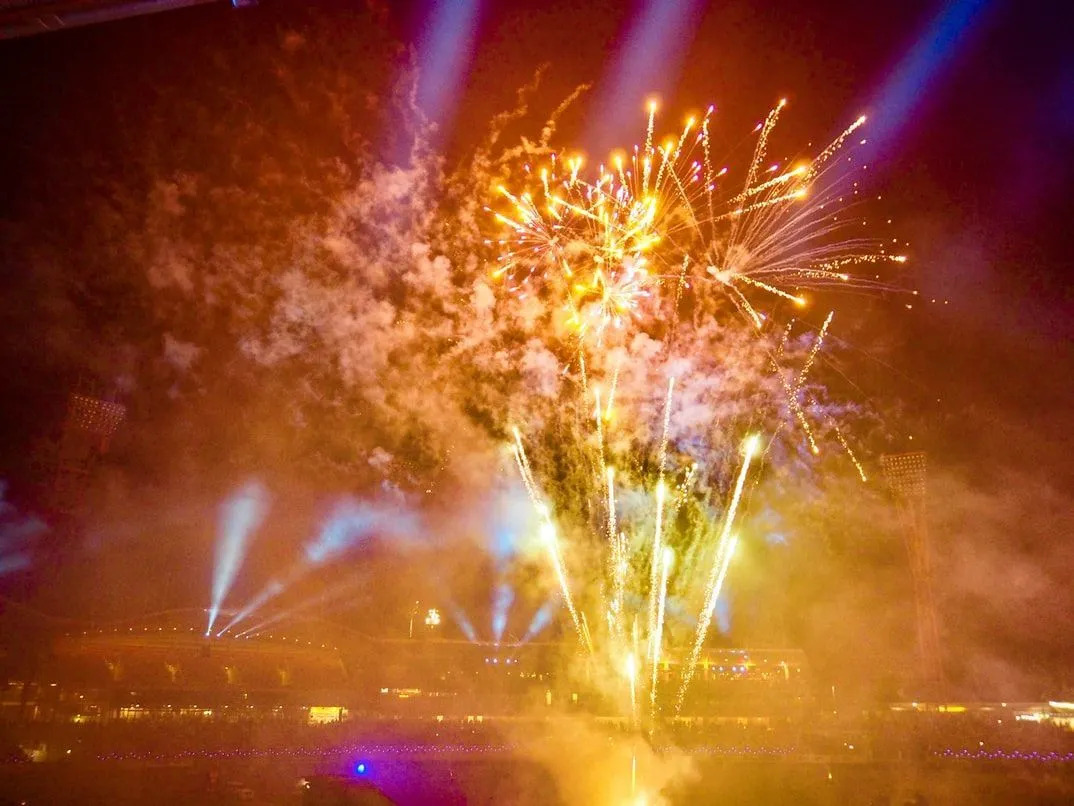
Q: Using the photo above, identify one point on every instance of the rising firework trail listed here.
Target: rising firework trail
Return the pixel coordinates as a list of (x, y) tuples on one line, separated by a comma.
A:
[(667, 560), (725, 549)]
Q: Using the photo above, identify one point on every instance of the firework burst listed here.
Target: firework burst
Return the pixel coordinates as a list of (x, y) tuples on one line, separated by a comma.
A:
[(644, 225), (618, 250)]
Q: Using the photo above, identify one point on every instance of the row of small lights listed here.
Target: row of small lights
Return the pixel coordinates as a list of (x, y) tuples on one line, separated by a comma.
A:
[(440, 749), (191, 629), (743, 668), (382, 749), (1004, 755), (306, 752)]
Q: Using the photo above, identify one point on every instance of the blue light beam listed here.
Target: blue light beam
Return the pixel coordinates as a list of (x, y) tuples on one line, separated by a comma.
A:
[(541, 619), (944, 37), (462, 621), (649, 60), (502, 598), (445, 44), (723, 615), (239, 518), (325, 597), (350, 523)]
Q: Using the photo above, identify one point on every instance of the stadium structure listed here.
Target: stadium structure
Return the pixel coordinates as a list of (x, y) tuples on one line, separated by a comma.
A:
[(164, 667)]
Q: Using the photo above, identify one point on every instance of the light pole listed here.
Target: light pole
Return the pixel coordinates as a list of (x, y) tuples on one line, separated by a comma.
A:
[(413, 615)]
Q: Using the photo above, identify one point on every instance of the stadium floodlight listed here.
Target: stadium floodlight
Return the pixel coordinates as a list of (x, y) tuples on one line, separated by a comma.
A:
[(906, 473), (906, 476)]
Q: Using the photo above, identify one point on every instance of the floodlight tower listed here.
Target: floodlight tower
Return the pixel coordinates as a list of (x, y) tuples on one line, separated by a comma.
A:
[(906, 475), (87, 431)]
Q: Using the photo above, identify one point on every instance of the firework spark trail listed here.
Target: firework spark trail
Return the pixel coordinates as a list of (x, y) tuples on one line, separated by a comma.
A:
[(738, 299), (796, 409), (828, 272), (548, 536), (662, 458), (615, 545), (706, 157), (598, 418), (654, 568), (739, 212), (725, 549), (658, 634), (524, 470), (586, 634), (758, 156), (771, 289), (777, 180), (723, 562), (833, 147), (617, 559), (670, 155), (792, 392), (817, 343), (609, 475), (622, 570), (682, 491), (782, 346), (648, 147), (846, 447), (660, 493), (611, 392)]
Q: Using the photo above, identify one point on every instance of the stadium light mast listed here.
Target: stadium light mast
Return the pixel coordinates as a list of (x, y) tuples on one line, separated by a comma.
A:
[(413, 615), (906, 475), (88, 429)]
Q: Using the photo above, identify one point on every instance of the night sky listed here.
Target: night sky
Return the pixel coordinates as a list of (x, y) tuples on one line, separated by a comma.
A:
[(976, 167), (973, 107)]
